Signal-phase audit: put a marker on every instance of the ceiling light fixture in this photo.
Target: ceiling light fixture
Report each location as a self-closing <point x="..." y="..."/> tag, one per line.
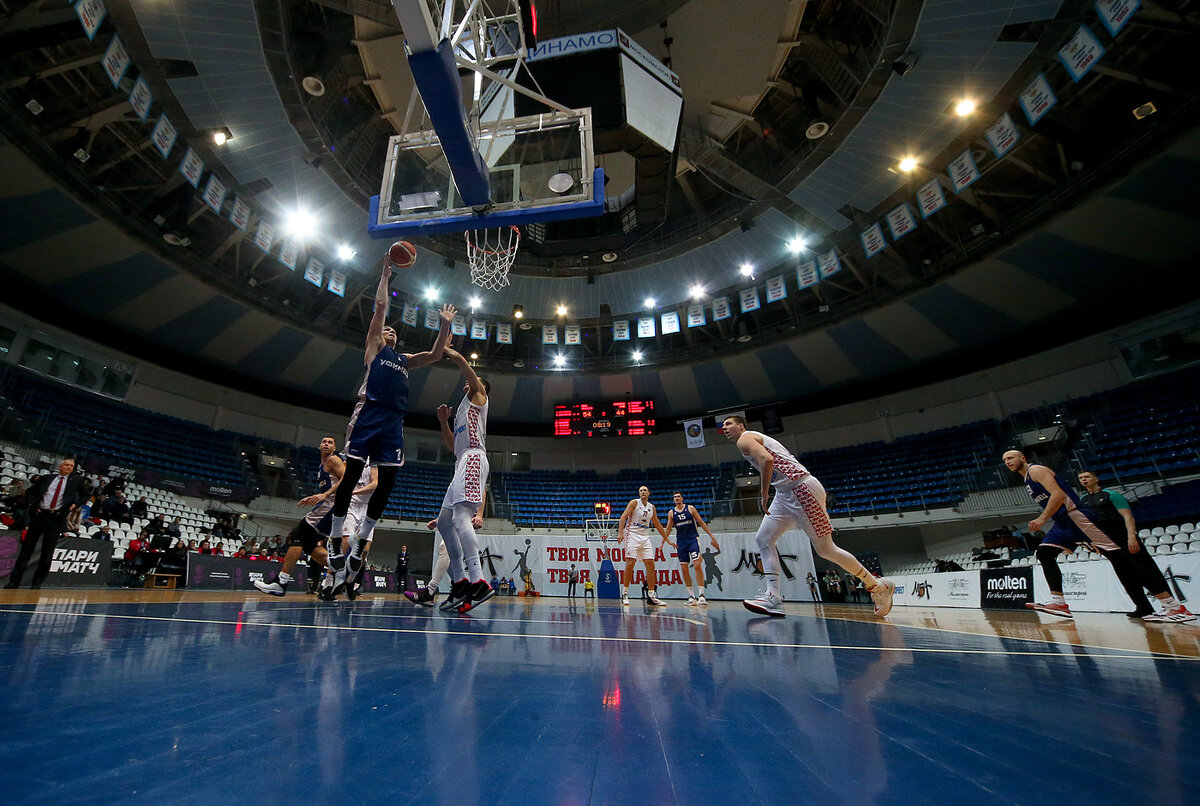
<point x="649" y="302"/>
<point x="964" y="107"/>
<point x="696" y="291"/>
<point x="908" y="165"/>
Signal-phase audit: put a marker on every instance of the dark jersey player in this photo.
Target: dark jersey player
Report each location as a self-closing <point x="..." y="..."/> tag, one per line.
<point x="1069" y="527"/>
<point x="376" y="433"/>
<point x="684" y="519"/>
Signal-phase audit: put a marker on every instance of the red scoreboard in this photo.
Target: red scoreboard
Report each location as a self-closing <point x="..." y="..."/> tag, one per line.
<point x="619" y="418"/>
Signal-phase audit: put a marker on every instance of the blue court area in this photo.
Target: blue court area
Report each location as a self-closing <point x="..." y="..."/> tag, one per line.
<point x="194" y="698"/>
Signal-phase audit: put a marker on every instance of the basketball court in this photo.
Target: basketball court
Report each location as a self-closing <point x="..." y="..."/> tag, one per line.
<point x="208" y="697"/>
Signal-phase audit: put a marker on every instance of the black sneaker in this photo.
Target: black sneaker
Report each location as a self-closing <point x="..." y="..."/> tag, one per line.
<point x="479" y="593"/>
<point x="351" y="589"/>
<point x="459" y="592"/>
<point x="423" y="596"/>
<point x="353" y="565"/>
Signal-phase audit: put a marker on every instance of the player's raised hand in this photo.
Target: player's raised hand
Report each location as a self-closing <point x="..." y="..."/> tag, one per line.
<point x="447" y="312"/>
<point x="451" y="353"/>
<point x="443" y="413"/>
<point x="387" y="269"/>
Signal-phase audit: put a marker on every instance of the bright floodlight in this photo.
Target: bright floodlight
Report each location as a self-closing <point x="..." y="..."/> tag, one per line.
<point x="344" y="252"/>
<point x="561" y="310"/>
<point x="476" y="302"/>
<point x="431" y="294"/>
<point x="796" y="246"/>
<point x="746" y="269"/>
<point x="964" y="107"/>
<point x="697" y="291"/>
<point x="908" y="165"/>
<point x="299" y="223"/>
<point x="649" y="302"/>
<point x="474" y="356"/>
<point x="219" y="138"/>
<point x="559" y="360"/>
<point x="637" y="355"/>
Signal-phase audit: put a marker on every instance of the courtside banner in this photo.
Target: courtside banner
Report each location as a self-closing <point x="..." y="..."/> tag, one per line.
<point x="1006" y="588"/>
<point x="77" y="563"/>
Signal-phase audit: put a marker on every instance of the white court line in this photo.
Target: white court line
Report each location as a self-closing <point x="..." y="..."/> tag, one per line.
<point x="602" y="639"/>
<point x="693" y="621"/>
<point x="432" y="617"/>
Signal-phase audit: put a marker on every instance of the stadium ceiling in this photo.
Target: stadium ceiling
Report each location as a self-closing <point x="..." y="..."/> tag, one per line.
<point x="1010" y="252"/>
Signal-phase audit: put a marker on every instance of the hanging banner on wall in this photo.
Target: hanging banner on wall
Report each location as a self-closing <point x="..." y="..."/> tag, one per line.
<point x="748" y="299"/>
<point x="1003" y="135"/>
<point x="621" y="330"/>
<point x="901" y="221"/>
<point x="930" y="197"/>
<point x="776" y="289"/>
<point x="829" y="264"/>
<point x="1115" y="13"/>
<point x="214" y="194"/>
<point x="721" y="309"/>
<point x="140" y="98"/>
<point x="314" y="272"/>
<point x="670" y="322"/>
<point x="504" y="333"/>
<point x="164" y="136"/>
<point x="963" y="171"/>
<point x="872" y="240"/>
<point x="433" y="321"/>
<point x="1081" y="53"/>
<point x="645" y="327"/>
<point x="695" y="316"/>
<point x="408" y="314"/>
<point x="572" y="334"/>
<point x="807" y="275"/>
<point x="1037" y="99"/>
<point x="192" y="167"/>
<point x="115" y="61"/>
<point x="479" y="330"/>
<point x="240" y="214"/>
<point x="458" y="326"/>
<point x="337" y="283"/>
<point x="549" y="334"/>
<point x="92" y="14"/>
<point x="694" y="429"/>
<point x="290" y="253"/>
<point x="264" y="236"/>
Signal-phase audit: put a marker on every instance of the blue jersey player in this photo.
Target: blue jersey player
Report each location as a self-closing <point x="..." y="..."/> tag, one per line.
<point x="684" y="519"/>
<point x="1069" y="526"/>
<point x="376" y="433"/>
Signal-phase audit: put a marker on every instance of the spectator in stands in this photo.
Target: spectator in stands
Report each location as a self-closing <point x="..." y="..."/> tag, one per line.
<point x="51" y="498"/>
<point x="1112" y="513"/>
<point x="114" y="487"/>
<point x="495" y="583"/>
<point x="157" y="525"/>
<point x="140" y="509"/>
<point x="219" y="550"/>
<point x="103" y="533"/>
<point x="174" y="529"/>
<point x="119" y="510"/>
<point x="205" y="547"/>
<point x="192" y="546"/>
<point x="138" y="557"/>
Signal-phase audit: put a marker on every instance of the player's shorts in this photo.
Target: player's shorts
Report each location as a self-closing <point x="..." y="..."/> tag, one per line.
<point x="637" y="546"/>
<point x="354" y="519"/>
<point x="688" y="549"/>
<point x="376" y="435"/>
<point x="321" y="517"/>
<point x="803" y="506"/>
<point x="470" y="475"/>
<point x="1079" y="529"/>
<point x="305" y="536"/>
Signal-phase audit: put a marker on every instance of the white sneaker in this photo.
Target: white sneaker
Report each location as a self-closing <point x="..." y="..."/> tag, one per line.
<point x="273" y="588"/>
<point x="765" y="604"/>
<point x="881" y="595"/>
<point x="625" y="599"/>
<point x="702" y="600"/>
<point x="1176" y="614"/>
<point x="691" y="601"/>
<point x="652" y="597"/>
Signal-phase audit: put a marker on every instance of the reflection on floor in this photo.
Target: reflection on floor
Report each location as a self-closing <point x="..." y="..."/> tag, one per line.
<point x="206" y="697"/>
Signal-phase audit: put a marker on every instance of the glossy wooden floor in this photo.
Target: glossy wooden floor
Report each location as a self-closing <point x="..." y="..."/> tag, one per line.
<point x="157" y="696"/>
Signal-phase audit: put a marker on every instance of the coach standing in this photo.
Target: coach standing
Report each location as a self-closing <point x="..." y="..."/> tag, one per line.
<point x="51" y="499"/>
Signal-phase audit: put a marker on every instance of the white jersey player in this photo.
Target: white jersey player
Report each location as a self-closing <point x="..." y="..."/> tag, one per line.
<point x="799" y="502"/>
<point x="633" y="529"/>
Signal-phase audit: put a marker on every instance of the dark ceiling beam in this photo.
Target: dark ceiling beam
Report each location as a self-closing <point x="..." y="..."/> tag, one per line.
<point x="379" y="11"/>
<point x="62" y="67"/>
<point x="1132" y="78"/>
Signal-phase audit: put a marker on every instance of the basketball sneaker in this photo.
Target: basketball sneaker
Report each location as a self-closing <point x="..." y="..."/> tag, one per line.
<point x="355" y="565"/>
<point x="275" y="588"/>
<point x="882" y="594"/>
<point x="351" y="585"/>
<point x="701" y="600"/>
<point x="652" y="598"/>
<point x="625" y="598"/>
<point x="339" y="582"/>
<point x="425" y="596"/>
<point x="1053" y="608"/>
<point x="459" y="591"/>
<point x="1176" y="614"/>
<point x="765" y="604"/>
<point x="479" y="593"/>
<point x="691" y="601"/>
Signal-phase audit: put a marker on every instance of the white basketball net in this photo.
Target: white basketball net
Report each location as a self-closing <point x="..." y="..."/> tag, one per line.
<point x="490" y="253"/>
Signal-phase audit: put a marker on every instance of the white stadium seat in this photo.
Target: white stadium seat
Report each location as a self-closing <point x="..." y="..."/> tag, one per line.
<point x="1172" y="529"/>
<point x="1144" y="533"/>
<point x="1187" y="527"/>
<point x="1158" y="531"/>
<point x="1149" y="540"/>
<point x="1181" y="547"/>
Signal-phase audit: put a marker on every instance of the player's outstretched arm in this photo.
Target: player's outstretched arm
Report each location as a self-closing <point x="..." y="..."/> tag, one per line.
<point x="700" y="522"/>
<point x="477" y="392"/>
<point x="375" y="329"/>
<point x="443" y="415"/>
<point x="477" y="519"/>
<point x="434" y="354"/>
<point x="751" y="447"/>
<point x="624" y="519"/>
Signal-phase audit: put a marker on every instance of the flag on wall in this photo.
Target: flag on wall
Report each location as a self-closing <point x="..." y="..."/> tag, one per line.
<point x="694" y="429"/>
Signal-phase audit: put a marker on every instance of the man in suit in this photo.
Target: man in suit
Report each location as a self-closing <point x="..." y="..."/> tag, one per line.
<point x="51" y="499"/>
<point x="402" y="569"/>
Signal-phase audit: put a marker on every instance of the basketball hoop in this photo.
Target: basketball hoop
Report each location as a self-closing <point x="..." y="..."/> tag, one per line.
<point x="490" y="254"/>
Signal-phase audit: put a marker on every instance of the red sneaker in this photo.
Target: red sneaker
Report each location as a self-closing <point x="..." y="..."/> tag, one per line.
<point x="1053" y="608"/>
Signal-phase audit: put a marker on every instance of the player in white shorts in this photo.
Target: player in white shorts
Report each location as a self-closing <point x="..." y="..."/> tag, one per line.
<point x="633" y="529"/>
<point x="367" y="483"/>
<point x="799" y="502"/>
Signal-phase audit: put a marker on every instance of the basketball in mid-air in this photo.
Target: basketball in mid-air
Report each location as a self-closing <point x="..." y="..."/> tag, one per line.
<point x="402" y="254"/>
